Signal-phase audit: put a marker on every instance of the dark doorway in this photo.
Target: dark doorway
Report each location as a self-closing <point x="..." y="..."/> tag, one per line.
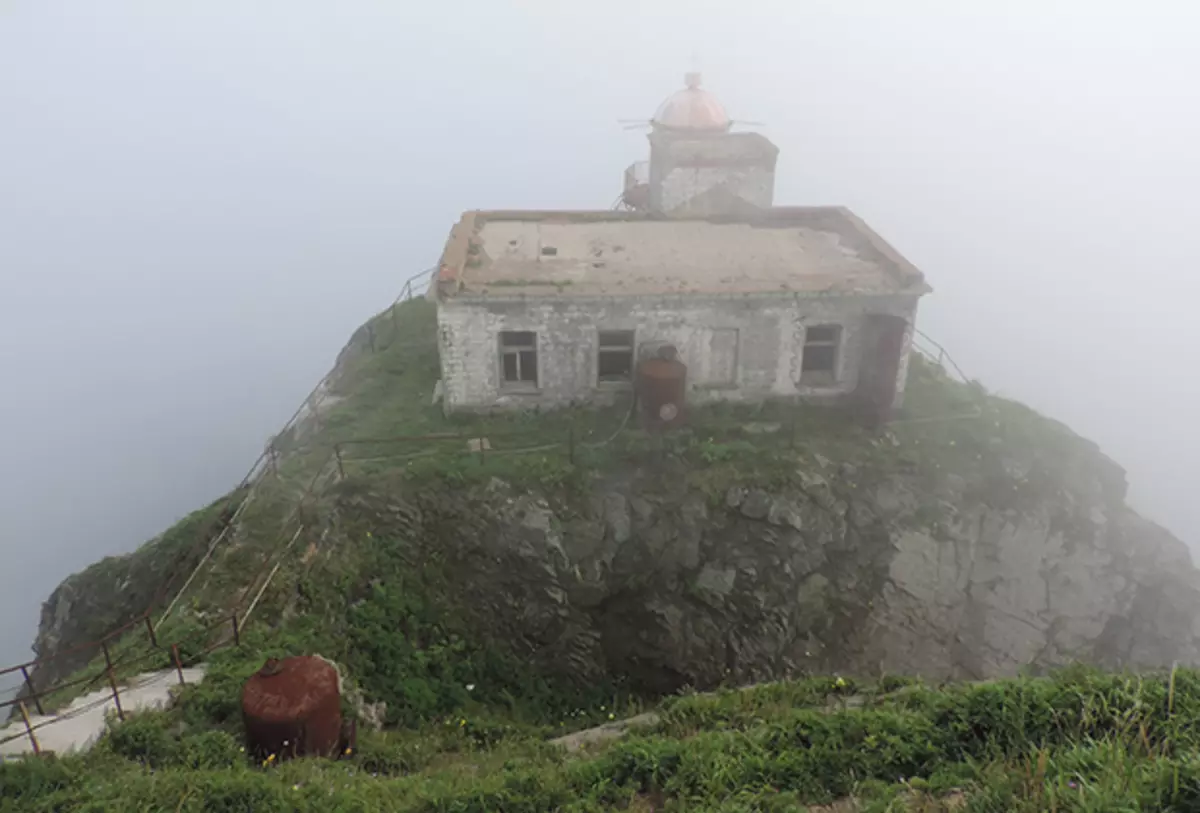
<point x="880" y="366"/>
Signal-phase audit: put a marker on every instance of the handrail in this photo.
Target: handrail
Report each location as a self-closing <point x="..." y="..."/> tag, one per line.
<point x="942" y="355"/>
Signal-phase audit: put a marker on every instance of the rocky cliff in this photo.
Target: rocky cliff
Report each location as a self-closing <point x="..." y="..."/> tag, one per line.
<point x="972" y="538"/>
<point x="648" y="577"/>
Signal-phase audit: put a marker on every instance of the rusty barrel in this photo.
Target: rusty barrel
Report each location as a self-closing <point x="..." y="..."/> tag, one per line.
<point x="293" y="707"/>
<point x="662" y="389"/>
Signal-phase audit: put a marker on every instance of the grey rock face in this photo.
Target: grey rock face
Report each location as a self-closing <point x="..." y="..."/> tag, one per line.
<point x="671" y="588"/>
<point x="901" y="560"/>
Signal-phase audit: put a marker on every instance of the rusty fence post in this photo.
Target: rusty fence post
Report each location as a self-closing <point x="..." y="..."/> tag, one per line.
<point x="150" y="629"/>
<point x="37" y="701"/>
<point x="178" y="664"/>
<point x="273" y="457"/>
<point x="237" y="631"/>
<point x="341" y="467"/>
<point x="112" y="681"/>
<point x="37" y="751"/>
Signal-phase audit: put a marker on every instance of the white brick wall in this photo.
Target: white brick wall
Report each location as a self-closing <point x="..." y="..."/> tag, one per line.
<point x="770" y="333"/>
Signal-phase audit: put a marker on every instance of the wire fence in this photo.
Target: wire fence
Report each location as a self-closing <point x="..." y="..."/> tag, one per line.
<point x="933" y="351"/>
<point x="182" y="653"/>
<point x="335" y="463"/>
<point x="941" y="358"/>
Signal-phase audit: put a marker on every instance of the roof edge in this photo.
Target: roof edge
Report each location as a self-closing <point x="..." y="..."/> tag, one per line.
<point x="454" y="264"/>
<point x="909" y="273"/>
<point x="482" y="299"/>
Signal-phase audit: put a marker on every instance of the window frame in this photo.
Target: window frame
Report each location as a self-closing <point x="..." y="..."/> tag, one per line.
<point x="504" y="350"/>
<point x="601" y="350"/>
<point x="822" y="376"/>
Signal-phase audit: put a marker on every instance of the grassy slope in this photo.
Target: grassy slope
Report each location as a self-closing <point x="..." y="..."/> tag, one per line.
<point x="483" y="748"/>
<point x="385" y="393"/>
<point x="1078" y="741"/>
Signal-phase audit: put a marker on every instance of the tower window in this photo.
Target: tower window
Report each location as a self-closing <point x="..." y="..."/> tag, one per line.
<point x="518" y="358"/>
<point x="821" y="344"/>
<point x="615" y="356"/>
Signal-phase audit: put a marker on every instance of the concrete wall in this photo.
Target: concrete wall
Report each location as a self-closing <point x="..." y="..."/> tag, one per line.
<point x="713" y="175"/>
<point x="770" y="342"/>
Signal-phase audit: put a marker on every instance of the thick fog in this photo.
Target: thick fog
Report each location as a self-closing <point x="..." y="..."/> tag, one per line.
<point x="199" y="202"/>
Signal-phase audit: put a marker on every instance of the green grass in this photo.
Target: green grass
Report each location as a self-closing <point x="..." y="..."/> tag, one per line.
<point x="1078" y="740"/>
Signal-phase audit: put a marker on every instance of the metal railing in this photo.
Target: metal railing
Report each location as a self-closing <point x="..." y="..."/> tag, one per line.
<point x="153" y="657"/>
<point x="927" y="347"/>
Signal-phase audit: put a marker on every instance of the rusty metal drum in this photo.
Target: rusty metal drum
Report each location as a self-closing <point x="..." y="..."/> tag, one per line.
<point x="292" y="707"/>
<point x="662" y="389"/>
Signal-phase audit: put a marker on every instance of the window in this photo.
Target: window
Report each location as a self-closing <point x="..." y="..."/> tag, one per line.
<point x="722" y="357"/>
<point x="518" y="358"/>
<point x="615" y="356"/>
<point x="820" y="352"/>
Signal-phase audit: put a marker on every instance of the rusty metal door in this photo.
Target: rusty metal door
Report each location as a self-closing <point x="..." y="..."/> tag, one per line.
<point x="880" y="366"/>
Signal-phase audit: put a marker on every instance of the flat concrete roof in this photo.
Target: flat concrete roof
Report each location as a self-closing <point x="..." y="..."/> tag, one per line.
<point x="784" y="250"/>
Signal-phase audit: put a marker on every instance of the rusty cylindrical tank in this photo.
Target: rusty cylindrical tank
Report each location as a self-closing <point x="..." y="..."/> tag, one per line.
<point x="292" y="707"/>
<point x="662" y="389"/>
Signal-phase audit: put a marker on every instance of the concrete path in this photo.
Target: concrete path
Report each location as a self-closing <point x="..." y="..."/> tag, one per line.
<point x="604" y="733"/>
<point x="79" y="725"/>
<point x="581" y="740"/>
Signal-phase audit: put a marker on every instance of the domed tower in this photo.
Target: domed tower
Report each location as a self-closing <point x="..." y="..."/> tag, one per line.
<point x="698" y="166"/>
<point x="691" y="110"/>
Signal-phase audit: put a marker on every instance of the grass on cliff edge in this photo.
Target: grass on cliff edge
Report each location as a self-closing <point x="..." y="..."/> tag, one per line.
<point x="384" y="388"/>
<point x="1079" y="740"/>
